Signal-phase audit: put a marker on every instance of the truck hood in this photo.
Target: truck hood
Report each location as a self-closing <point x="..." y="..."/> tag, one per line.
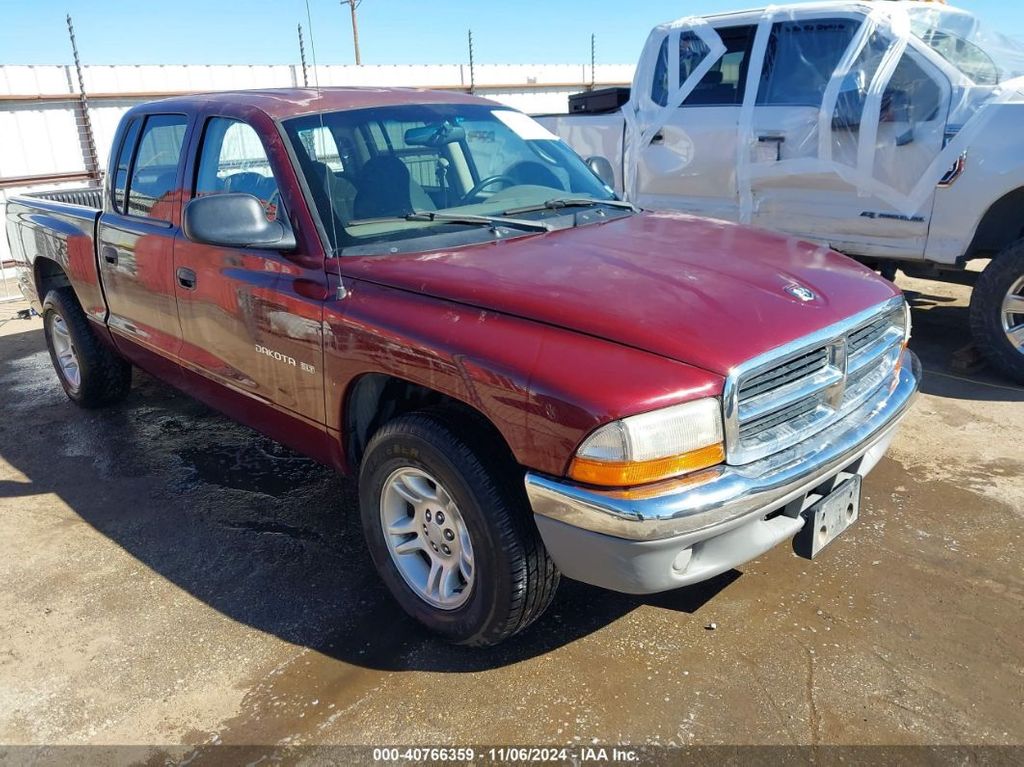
<point x="699" y="291"/>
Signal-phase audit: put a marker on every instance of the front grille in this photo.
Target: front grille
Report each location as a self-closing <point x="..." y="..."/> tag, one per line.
<point x="864" y="336"/>
<point x="787" y="373"/>
<point x="766" y="423"/>
<point x="781" y="399"/>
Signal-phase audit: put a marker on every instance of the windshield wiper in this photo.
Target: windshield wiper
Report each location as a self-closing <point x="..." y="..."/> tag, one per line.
<point x="456" y="218"/>
<point x="466" y="218"/>
<point x="571" y="202"/>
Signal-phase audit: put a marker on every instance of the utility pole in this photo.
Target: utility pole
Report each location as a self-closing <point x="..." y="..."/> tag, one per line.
<point x="352" y="5"/>
<point x="302" y="57"/>
<point x="593" y="61"/>
<point x="472" y="70"/>
<point x="84" y="123"/>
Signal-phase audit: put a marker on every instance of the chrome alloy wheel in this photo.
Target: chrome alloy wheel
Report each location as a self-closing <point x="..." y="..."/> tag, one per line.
<point x="64" y="349"/>
<point x="1013" y="315"/>
<point x="427" y="538"/>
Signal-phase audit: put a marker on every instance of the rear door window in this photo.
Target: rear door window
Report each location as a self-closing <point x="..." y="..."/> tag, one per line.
<point x="723" y="84"/>
<point x="124" y="161"/>
<point x="155" y="170"/>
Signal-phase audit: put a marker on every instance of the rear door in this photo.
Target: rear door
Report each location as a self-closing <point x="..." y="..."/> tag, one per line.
<point x="251" y="318"/>
<point x="136" y="238"/>
<point x="690" y="164"/>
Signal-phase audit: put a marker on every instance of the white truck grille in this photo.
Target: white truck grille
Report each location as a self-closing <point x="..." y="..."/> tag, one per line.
<point x="781" y="398"/>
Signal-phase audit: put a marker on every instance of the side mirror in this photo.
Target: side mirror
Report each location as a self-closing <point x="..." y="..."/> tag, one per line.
<point x="234" y="221"/>
<point x="601" y="168"/>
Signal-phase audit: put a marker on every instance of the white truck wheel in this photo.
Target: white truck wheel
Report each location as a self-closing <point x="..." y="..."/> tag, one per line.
<point x="997" y="312"/>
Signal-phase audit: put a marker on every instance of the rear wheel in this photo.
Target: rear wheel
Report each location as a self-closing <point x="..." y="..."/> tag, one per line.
<point x="448" y="527"/>
<point x="92" y="374"/>
<point x="997" y="312"/>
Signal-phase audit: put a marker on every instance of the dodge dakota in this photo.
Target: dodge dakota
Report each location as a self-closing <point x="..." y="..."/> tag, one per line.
<point x="888" y="131"/>
<point x="529" y="376"/>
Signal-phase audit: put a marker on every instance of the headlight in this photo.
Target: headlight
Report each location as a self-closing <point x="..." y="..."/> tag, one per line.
<point x="652" y="446"/>
<point x="906" y="322"/>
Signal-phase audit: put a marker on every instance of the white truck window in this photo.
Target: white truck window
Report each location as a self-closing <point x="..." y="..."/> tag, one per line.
<point x="723" y="84"/>
<point x="800" y="59"/>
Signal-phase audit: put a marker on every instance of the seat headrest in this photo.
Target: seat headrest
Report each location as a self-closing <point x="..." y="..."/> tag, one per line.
<point x="383" y="188"/>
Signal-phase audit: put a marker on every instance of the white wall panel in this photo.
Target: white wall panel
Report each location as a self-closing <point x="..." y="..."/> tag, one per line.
<point x="41" y="137"/>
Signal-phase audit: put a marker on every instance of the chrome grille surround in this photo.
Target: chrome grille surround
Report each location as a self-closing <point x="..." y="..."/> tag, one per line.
<point x="781" y="398"/>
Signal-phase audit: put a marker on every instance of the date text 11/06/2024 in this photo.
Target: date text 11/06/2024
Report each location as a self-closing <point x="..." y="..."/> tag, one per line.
<point x="505" y="754"/>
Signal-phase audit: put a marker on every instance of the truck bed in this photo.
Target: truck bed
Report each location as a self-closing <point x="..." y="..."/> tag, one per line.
<point x="591" y="135"/>
<point x="60" y="225"/>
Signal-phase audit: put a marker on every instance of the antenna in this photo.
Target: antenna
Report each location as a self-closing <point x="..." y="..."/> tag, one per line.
<point x="330" y="174"/>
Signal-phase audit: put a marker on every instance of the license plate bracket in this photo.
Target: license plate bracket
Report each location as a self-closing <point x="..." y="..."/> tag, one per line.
<point x="828" y="518"/>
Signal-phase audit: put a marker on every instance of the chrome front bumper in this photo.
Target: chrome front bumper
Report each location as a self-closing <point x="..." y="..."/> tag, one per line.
<point x="589" y="531"/>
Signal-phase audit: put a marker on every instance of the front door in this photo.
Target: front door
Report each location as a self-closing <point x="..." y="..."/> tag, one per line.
<point x="136" y="239"/>
<point x="845" y="175"/>
<point x="250" y="318"/>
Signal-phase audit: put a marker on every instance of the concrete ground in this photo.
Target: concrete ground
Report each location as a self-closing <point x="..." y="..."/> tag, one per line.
<point x="170" y="577"/>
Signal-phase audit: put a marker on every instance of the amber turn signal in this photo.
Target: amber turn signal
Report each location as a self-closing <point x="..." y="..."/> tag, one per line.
<point x="630" y="473"/>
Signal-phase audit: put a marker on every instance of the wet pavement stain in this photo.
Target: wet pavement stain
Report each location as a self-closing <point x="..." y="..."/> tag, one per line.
<point x="260" y="466"/>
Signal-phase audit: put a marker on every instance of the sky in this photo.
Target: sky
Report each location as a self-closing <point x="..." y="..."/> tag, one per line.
<point x="390" y="31"/>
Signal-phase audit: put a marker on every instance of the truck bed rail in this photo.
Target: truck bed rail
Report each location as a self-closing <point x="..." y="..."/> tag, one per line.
<point x="87" y="197"/>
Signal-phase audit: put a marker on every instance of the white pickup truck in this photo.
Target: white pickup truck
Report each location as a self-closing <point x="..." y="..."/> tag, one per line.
<point x="893" y="132"/>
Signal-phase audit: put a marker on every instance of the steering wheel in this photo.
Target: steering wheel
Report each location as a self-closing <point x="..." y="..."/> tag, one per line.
<point x="484" y="183"/>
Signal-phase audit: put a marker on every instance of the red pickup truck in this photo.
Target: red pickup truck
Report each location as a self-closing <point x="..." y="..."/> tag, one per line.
<point x="529" y="376"/>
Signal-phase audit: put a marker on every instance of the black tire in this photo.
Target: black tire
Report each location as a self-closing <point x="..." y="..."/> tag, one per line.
<point x="514" y="578"/>
<point x="105" y="376"/>
<point x="990" y="291"/>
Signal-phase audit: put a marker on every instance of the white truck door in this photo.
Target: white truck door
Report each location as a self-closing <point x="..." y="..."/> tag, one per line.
<point x="843" y="176"/>
<point x="690" y="163"/>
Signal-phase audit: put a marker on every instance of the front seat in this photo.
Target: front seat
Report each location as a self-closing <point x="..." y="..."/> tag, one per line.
<point x="385" y="189"/>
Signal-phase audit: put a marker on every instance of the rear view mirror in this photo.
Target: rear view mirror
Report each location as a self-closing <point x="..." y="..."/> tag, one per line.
<point x="435" y="135"/>
<point x="234" y="221"/>
<point x="601" y="168"/>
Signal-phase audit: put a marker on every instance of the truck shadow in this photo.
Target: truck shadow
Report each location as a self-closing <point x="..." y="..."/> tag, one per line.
<point x="941" y="334"/>
<point x="260" y="534"/>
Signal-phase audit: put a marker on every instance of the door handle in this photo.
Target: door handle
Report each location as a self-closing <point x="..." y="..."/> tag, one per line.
<point x="186" y="278"/>
<point x="109" y="254"/>
<point x="658" y="138"/>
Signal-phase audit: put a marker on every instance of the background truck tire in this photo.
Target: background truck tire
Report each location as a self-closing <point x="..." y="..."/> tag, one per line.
<point x="513" y="578"/>
<point x="1001" y="279"/>
<point x="103" y="377"/>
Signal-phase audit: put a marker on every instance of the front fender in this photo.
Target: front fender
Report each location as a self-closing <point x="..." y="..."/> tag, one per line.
<point x="543" y="388"/>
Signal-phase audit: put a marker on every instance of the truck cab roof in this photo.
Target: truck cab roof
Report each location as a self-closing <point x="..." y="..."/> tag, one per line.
<point x="282" y="103"/>
<point x="751" y="15"/>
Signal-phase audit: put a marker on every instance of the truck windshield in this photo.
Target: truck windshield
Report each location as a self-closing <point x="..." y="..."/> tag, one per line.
<point x="398" y="173"/>
<point x="983" y="55"/>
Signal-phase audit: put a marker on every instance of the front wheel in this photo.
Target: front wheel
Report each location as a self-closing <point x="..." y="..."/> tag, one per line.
<point x="92" y="374"/>
<point x="449" y="530"/>
<point x="997" y="312"/>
